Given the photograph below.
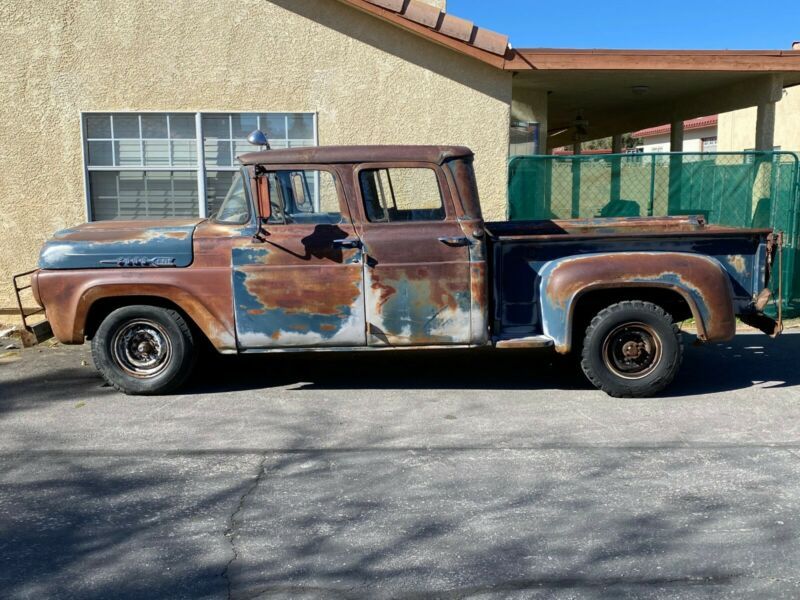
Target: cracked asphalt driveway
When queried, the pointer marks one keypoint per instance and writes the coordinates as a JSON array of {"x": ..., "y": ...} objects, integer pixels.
[{"x": 402, "y": 476}]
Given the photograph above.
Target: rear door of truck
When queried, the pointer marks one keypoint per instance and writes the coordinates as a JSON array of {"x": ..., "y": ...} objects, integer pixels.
[{"x": 416, "y": 256}]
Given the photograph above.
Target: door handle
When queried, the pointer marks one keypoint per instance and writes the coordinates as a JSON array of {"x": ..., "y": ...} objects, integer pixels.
[
  {"x": 456, "y": 240},
  {"x": 347, "y": 243}
]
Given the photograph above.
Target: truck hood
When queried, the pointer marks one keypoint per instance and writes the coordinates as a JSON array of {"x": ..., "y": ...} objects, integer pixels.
[{"x": 114, "y": 244}]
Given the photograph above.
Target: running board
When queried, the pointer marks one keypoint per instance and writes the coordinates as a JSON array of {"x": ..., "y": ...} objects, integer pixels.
[{"x": 535, "y": 341}]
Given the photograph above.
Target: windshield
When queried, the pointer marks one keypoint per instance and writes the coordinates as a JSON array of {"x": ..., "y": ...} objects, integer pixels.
[{"x": 235, "y": 207}]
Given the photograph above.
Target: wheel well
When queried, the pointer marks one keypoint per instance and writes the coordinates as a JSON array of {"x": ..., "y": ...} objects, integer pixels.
[
  {"x": 589, "y": 304},
  {"x": 105, "y": 306}
]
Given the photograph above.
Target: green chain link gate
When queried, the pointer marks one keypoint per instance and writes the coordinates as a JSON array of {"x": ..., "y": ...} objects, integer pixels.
[{"x": 738, "y": 189}]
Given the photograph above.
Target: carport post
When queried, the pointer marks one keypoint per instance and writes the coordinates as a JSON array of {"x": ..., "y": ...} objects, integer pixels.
[
  {"x": 675, "y": 167},
  {"x": 576, "y": 180},
  {"x": 616, "y": 169},
  {"x": 765, "y": 127}
]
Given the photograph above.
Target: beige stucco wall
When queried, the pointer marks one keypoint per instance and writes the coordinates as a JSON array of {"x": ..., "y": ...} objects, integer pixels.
[
  {"x": 737, "y": 129},
  {"x": 369, "y": 81}
]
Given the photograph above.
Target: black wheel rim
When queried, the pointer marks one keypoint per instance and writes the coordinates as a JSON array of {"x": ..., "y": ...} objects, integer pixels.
[
  {"x": 141, "y": 348},
  {"x": 632, "y": 350}
]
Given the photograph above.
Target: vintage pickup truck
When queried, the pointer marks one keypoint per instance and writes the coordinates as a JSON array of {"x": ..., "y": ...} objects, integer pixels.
[{"x": 384, "y": 247}]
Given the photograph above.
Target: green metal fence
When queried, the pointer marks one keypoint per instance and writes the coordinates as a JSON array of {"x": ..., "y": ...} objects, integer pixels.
[{"x": 741, "y": 189}]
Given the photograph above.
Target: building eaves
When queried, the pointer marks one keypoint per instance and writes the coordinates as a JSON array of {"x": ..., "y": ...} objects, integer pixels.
[{"x": 566, "y": 59}]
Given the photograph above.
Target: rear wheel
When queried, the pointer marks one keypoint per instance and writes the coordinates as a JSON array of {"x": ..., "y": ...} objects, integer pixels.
[
  {"x": 144, "y": 349},
  {"x": 632, "y": 349}
]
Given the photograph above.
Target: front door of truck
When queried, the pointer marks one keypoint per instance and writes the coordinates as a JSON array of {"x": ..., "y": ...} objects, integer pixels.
[
  {"x": 299, "y": 282},
  {"x": 416, "y": 257}
]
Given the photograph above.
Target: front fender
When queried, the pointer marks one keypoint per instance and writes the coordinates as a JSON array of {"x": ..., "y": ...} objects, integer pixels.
[
  {"x": 701, "y": 280},
  {"x": 203, "y": 294}
]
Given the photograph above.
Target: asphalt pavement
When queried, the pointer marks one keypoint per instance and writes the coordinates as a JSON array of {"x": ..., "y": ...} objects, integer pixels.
[{"x": 402, "y": 475}]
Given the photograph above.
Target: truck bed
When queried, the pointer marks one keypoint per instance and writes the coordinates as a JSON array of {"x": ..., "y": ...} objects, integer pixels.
[{"x": 521, "y": 253}]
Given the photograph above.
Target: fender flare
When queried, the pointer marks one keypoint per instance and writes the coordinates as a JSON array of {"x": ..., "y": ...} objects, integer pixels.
[{"x": 700, "y": 280}]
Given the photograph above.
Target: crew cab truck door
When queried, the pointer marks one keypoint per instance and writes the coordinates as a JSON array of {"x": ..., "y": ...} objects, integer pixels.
[
  {"x": 298, "y": 281},
  {"x": 417, "y": 257}
]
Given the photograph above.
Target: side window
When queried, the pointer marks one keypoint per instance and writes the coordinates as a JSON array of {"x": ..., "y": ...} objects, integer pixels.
[
  {"x": 401, "y": 194},
  {"x": 308, "y": 196}
]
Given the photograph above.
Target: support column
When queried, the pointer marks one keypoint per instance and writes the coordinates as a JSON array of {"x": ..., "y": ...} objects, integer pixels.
[
  {"x": 765, "y": 127},
  {"x": 675, "y": 168},
  {"x": 576, "y": 181},
  {"x": 676, "y": 137},
  {"x": 616, "y": 144},
  {"x": 615, "y": 192}
]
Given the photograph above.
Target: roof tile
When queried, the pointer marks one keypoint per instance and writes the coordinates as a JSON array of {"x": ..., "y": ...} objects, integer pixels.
[
  {"x": 442, "y": 23},
  {"x": 422, "y": 13},
  {"x": 491, "y": 41},
  {"x": 395, "y": 5},
  {"x": 456, "y": 27}
]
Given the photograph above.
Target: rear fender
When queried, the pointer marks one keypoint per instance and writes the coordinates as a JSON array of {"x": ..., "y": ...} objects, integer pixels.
[{"x": 700, "y": 280}]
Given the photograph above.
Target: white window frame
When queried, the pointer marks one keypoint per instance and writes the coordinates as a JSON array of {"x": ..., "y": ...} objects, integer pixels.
[{"x": 200, "y": 167}]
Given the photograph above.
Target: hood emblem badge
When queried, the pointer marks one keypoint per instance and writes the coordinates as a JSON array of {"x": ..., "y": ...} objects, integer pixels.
[{"x": 141, "y": 261}]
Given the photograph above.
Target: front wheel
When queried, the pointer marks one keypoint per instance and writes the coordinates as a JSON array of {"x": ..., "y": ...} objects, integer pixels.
[
  {"x": 632, "y": 349},
  {"x": 144, "y": 350}
]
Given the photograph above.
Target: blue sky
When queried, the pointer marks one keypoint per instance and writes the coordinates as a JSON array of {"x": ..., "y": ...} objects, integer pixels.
[{"x": 655, "y": 24}]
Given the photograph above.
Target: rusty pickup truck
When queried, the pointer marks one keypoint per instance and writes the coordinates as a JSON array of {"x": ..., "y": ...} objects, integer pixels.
[{"x": 384, "y": 247}]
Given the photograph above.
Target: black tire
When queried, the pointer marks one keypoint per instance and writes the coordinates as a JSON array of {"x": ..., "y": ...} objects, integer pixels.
[
  {"x": 632, "y": 349},
  {"x": 144, "y": 350}
]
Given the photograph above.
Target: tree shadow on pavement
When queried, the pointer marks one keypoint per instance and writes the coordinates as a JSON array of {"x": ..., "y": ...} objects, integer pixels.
[{"x": 380, "y": 522}]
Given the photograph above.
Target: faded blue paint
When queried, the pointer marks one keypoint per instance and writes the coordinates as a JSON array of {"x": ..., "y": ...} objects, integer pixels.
[
  {"x": 260, "y": 324},
  {"x": 412, "y": 311},
  {"x": 253, "y": 319},
  {"x": 91, "y": 247}
]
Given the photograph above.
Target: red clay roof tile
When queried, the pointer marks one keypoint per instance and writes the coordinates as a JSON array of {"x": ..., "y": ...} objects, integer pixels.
[
  {"x": 422, "y": 13},
  {"x": 456, "y": 27},
  {"x": 444, "y": 23},
  {"x": 491, "y": 41}
]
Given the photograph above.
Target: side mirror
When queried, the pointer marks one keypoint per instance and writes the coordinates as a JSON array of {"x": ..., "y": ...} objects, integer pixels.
[{"x": 258, "y": 138}]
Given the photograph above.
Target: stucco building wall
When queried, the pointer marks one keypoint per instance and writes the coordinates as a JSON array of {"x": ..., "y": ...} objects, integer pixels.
[
  {"x": 737, "y": 129},
  {"x": 369, "y": 82}
]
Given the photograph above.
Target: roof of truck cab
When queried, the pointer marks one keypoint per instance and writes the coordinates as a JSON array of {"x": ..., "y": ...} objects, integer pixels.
[{"x": 354, "y": 154}]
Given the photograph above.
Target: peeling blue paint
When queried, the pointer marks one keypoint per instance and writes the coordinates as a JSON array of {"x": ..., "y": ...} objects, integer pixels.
[
  {"x": 410, "y": 312},
  {"x": 259, "y": 289}
]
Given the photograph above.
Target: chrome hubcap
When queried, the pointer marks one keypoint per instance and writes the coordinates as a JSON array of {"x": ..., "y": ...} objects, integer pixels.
[
  {"x": 632, "y": 350},
  {"x": 141, "y": 348}
]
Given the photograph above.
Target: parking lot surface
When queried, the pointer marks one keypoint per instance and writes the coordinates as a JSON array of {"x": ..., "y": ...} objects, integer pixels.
[{"x": 402, "y": 475}]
